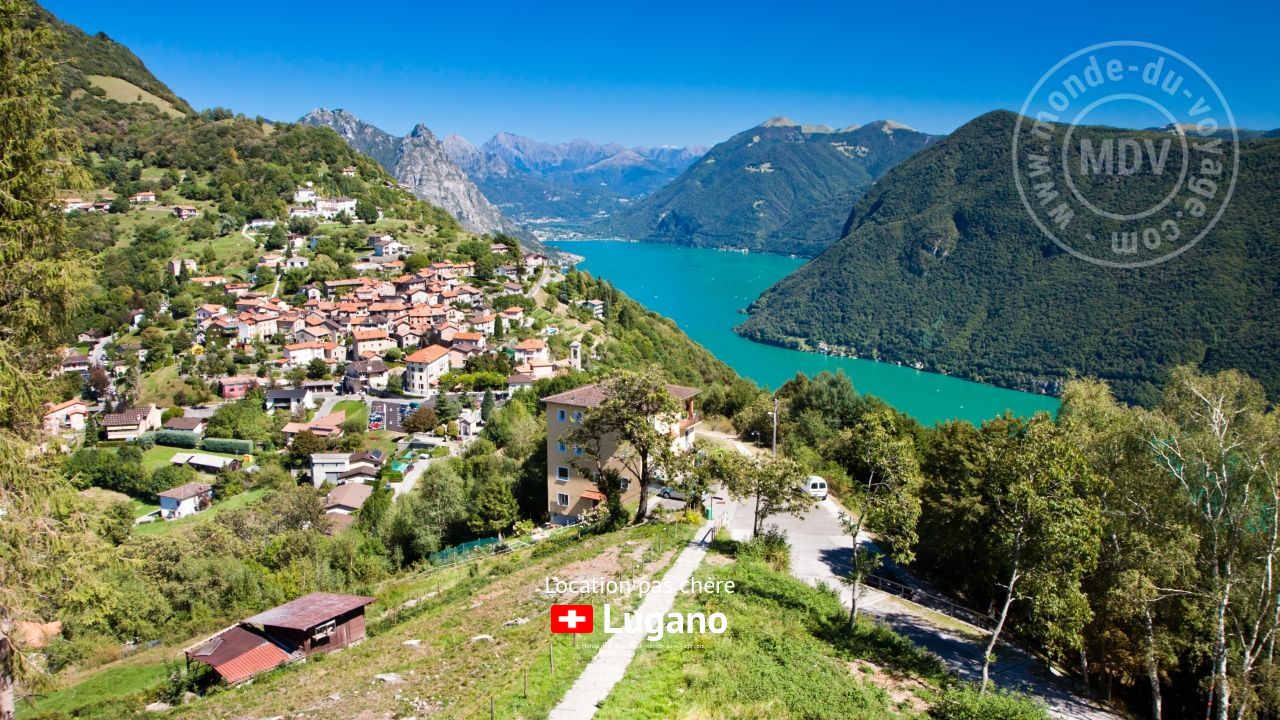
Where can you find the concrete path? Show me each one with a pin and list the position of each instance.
(609, 665)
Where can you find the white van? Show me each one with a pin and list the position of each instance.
(815, 486)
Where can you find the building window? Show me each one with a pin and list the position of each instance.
(562, 473)
(560, 415)
(560, 445)
(562, 499)
(577, 451)
(577, 417)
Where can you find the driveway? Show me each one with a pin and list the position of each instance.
(821, 552)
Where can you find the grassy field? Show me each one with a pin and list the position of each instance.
(126, 92)
(471, 644)
(467, 650)
(248, 497)
(160, 455)
(159, 386)
(788, 653)
(355, 410)
(82, 698)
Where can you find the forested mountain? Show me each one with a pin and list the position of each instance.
(572, 181)
(420, 162)
(940, 264)
(778, 187)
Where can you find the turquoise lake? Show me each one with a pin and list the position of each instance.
(703, 291)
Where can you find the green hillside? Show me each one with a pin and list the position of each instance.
(779, 187)
(87, 55)
(942, 265)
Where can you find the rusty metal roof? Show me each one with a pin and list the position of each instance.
(239, 653)
(309, 611)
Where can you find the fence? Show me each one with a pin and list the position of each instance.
(929, 600)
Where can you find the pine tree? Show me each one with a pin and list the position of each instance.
(41, 284)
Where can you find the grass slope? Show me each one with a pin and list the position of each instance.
(788, 654)
(126, 92)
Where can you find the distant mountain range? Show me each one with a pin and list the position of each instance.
(778, 187)
(570, 182)
(419, 161)
(940, 265)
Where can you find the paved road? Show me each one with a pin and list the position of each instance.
(821, 552)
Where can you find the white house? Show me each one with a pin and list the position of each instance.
(527, 351)
(185, 500)
(304, 195)
(423, 369)
(297, 262)
(330, 208)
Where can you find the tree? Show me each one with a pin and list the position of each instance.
(1216, 438)
(771, 480)
(43, 543)
(493, 507)
(886, 484)
(366, 211)
(1042, 526)
(486, 406)
(304, 445)
(1147, 567)
(317, 369)
(624, 428)
(422, 420)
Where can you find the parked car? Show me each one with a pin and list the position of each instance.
(671, 493)
(815, 486)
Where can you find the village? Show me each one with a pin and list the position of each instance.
(368, 351)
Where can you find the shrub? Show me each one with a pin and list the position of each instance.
(966, 703)
(228, 445)
(770, 547)
(145, 441)
(177, 438)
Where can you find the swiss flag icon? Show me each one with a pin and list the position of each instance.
(572, 619)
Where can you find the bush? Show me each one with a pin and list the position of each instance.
(228, 445)
(966, 703)
(770, 547)
(145, 441)
(177, 438)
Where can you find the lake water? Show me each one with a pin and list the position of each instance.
(703, 290)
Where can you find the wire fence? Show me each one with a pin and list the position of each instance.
(933, 602)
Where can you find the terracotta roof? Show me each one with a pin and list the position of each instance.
(309, 611)
(378, 334)
(428, 354)
(531, 344)
(239, 653)
(50, 408)
(589, 396)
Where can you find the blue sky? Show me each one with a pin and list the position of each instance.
(660, 72)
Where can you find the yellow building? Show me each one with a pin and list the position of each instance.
(569, 492)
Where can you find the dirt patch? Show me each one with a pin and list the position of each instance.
(902, 690)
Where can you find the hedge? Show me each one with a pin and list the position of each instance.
(178, 439)
(228, 445)
(146, 440)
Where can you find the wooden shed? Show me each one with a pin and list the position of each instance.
(319, 622)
